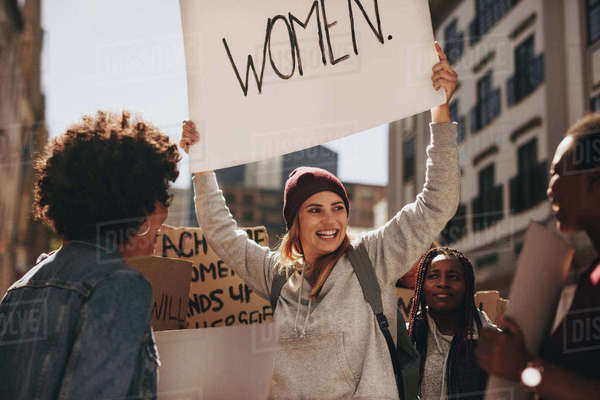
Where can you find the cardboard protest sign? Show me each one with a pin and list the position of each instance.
(170, 280)
(487, 301)
(491, 302)
(541, 272)
(501, 308)
(218, 297)
(404, 301)
(234, 362)
(269, 77)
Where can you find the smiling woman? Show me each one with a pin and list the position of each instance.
(330, 345)
(316, 209)
(322, 220)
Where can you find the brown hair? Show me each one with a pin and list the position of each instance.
(290, 252)
(104, 175)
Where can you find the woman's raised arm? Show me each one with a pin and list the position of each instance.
(404, 238)
(254, 263)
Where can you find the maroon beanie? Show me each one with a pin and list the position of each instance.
(302, 183)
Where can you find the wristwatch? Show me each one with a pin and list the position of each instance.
(531, 376)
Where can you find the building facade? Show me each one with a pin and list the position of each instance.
(527, 71)
(181, 209)
(22, 137)
(364, 200)
(273, 172)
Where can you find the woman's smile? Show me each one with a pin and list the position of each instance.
(327, 234)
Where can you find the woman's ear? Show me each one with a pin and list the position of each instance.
(144, 228)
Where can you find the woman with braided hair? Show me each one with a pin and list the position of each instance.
(444, 324)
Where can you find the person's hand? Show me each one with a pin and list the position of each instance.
(502, 353)
(443, 75)
(189, 136)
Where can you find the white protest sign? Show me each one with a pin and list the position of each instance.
(233, 362)
(269, 77)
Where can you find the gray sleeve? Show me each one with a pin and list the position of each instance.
(255, 264)
(397, 245)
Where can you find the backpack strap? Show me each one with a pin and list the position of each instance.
(363, 268)
(279, 280)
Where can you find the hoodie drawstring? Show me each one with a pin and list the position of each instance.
(298, 305)
(303, 332)
(434, 331)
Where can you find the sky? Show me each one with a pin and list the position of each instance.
(116, 55)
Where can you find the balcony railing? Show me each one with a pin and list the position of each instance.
(485, 111)
(522, 85)
(488, 13)
(456, 228)
(453, 47)
(487, 208)
(528, 188)
(461, 129)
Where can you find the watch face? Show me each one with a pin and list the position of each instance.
(531, 377)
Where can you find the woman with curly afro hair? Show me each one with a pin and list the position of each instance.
(78, 323)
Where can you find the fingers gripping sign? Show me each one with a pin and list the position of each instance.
(443, 74)
(443, 77)
(189, 136)
(503, 352)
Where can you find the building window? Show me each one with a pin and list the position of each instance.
(593, 20)
(518, 248)
(529, 72)
(487, 13)
(408, 152)
(460, 119)
(456, 228)
(528, 188)
(367, 218)
(595, 103)
(453, 42)
(487, 207)
(487, 261)
(487, 107)
(229, 198)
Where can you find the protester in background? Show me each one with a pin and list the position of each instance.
(444, 324)
(77, 325)
(409, 280)
(330, 343)
(567, 367)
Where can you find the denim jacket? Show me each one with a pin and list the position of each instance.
(77, 326)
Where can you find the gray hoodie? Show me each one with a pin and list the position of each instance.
(433, 384)
(332, 348)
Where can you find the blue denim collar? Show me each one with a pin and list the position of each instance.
(105, 249)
